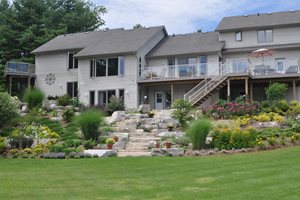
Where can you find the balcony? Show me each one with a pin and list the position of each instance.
(19, 68)
(174, 72)
(268, 68)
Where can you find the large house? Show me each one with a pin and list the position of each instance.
(148, 65)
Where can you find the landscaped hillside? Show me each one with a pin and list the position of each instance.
(262, 175)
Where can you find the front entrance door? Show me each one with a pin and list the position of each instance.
(159, 100)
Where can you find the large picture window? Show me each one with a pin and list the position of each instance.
(104, 96)
(107, 67)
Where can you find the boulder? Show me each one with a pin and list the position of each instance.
(100, 152)
(119, 145)
(144, 108)
(117, 116)
(139, 131)
(123, 137)
(56, 118)
(171, 134)
(24, 109)
(46, 104)
(167, 152)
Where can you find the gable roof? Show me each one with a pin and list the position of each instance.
(105, 42)
(192, 43)
(286, 18)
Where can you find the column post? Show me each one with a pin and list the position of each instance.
(294, 90)
(228, 88)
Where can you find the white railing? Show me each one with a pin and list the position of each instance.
(259, 68)
(177, 71)
(207, 85)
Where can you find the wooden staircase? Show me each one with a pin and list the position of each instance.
(206, 88)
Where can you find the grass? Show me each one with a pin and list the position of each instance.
(262, 175)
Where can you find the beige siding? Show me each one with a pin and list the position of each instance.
(286, 35)
(55, 63)
(127, 82)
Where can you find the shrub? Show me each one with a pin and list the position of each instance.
(102, 139)
(34, 97)
(114, 104)
(182, 112)
(110, 141)
(68, 115)
(276, 91)
(21, 142)
(182, 141)
(89, 144)
(63, 100)
(8, 108)
(89, 122)
(233, 109)
(281, 105)
(56, 148)
(294, 109)
(198, 132)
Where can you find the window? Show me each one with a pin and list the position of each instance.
(104, 96)
(113, 66)
(265, 35)
(239, 66)
(238, 36)
(121, 95)
(92, 68)
(140, 66)
(107, 67)
(171, 67)
(92, 98)
(72, 62)
(72, 88)
(100, 67)
(187, 67)
(203, 65)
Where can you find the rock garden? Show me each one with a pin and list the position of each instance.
(60, 127)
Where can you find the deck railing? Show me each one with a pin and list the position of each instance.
(177, 71)
(19, 68)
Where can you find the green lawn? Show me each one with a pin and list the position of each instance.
(264, 175)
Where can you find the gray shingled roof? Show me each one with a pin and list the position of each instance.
(188, 44)
(259, 21)
(107, 42)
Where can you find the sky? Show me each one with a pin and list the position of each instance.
(185, 16)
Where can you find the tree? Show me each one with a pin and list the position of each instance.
(138, 26)
(27, 24)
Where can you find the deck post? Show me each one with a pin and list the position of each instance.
(228, 88)
(251, 91)
(10, 84)
(172, 93)
(28, 82)
(294, 90)
(246, 86)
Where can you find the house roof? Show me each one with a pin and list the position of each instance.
(104, 42)
(187, 44)
(286, 18)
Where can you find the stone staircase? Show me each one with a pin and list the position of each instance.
(138, 144)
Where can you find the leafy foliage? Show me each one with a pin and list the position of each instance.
(198, 132)
(89, 122)
(114, 104)
(68, 115)
(34, 97)
(183, 111)
(27, 24)
(8, 108)
(276, 91)
(64, 100)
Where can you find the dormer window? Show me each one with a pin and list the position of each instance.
(238, 36)
(265, 35)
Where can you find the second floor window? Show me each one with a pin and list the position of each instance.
(265, 35)
(238, 36)
(72, 62)
(107, 67)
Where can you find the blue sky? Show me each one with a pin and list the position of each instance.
(183, 16)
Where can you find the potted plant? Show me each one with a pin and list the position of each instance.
(168, 144)
(151, 114)
(109, 143)
(170, 127)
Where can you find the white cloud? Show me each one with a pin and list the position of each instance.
(179, 16)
